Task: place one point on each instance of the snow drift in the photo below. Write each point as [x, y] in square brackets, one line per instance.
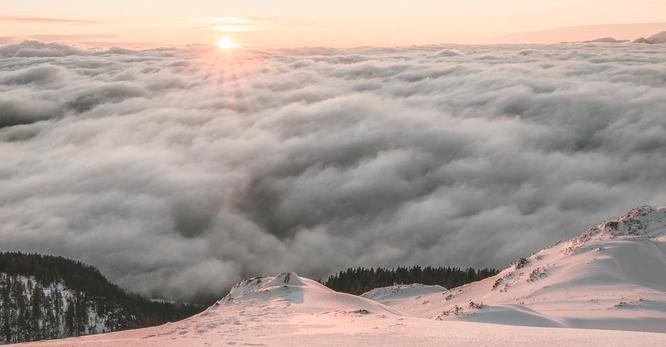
[612, 276]
[402, 291]
[293, 294]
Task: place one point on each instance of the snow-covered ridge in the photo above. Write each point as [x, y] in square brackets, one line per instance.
[641, 221]
[264, 286]
[614, 280]
[612, 276]
[401, 291]
[291, 293]
[644, 221]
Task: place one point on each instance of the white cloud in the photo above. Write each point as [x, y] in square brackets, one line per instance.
[170, 170]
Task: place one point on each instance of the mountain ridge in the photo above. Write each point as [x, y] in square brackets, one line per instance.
[613, 279]
[44, 297]
[611, 276]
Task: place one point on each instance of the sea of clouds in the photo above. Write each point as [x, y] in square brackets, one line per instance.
[178, 171]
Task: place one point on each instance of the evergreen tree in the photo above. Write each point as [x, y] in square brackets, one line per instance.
[6, 307]
[53, 297]
[360, 280]
[36, 302]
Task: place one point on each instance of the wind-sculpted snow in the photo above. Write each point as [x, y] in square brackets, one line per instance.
[178, 171]
[292, 294]
[402, 291]
[290, 310]
[612, 276]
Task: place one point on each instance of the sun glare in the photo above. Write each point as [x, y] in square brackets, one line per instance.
[226, 43]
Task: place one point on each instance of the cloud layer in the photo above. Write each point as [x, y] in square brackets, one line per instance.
[176, 172]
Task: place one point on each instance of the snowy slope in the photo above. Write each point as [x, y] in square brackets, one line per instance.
[402, 292]
[289, 293]
[612, 276]
[287, 310]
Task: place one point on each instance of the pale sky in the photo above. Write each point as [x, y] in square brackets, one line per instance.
[343, 23]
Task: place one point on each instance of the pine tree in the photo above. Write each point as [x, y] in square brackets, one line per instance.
[70, 328]
[36, 302]
[6, 310]
[359, 280]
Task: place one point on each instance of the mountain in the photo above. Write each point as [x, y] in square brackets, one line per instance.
[612, 276]
[292, 294]
[606, 40]
[582, 33]
[288, 310]
[45, 297]
[658, 38]
[654, 39]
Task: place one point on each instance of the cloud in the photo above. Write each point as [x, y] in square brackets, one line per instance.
[177, 172]
[33, 49]
[37, 74]
[45, 20]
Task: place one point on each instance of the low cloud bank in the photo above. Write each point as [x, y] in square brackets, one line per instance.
[176, 172]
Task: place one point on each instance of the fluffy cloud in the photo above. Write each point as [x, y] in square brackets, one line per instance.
[176, 172]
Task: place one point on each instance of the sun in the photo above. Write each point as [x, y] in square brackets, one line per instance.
[226, 43]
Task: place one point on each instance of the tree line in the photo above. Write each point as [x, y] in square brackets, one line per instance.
[359, 280]
[44, 297]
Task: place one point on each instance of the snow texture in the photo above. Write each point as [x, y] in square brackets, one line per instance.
[612, 277]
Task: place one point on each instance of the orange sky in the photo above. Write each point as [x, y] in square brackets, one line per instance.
[343, 23]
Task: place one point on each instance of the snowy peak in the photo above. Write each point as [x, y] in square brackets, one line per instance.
[281, 285]
[644, 221]
[641, 221]
[297, 295]
[610, 276]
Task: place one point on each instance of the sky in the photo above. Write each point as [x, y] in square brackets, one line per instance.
[296, 23]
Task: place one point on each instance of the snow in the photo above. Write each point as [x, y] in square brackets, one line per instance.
[287, 310]
[611, 277]
[402, 291]
[289, 293]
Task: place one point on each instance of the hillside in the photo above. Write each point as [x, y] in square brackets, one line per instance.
[45, 297]
[288, 310]
[658, 37]
[605, 40]
[654, 39]
[612, 276]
